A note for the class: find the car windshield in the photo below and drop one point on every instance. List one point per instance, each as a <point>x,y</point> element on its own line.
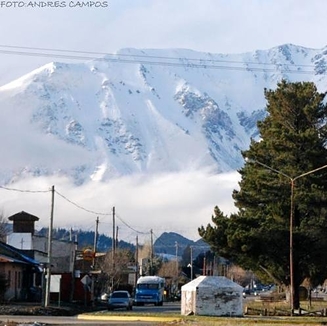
<point>119,295</point>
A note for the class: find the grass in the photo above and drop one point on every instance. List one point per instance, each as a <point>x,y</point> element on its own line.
<point>282,308</point>
<point>277,313</point>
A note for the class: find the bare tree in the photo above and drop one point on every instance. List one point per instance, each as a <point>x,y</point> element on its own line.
<point>168,270</point>
<point>150,263</point>
<point>240,276</point>
<point>115,268</point>
<point>3,227</point>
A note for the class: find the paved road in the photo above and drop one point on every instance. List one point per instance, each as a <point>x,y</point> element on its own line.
<point>103,318</point>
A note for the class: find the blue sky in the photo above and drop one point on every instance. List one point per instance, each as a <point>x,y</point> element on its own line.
<point>216,26</point>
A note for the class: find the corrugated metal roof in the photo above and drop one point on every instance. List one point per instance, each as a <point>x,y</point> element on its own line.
<point>6,259</point>
<point>14,254</point>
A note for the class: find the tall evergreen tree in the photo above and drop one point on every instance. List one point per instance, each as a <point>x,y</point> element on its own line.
<point>257,237</point>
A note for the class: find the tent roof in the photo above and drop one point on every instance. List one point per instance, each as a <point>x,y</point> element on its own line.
<point>212,282</point>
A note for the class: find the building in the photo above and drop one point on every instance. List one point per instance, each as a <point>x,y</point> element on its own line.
<point>23,275</point>
<point>35,247</point>
<point>23,238</point>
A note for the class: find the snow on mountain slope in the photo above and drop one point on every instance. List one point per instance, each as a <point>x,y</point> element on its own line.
<point>170,110</point>
<point>143,112</point>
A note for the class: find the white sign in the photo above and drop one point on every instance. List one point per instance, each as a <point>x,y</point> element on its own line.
<point>86,280</point>
<point>55,283</point>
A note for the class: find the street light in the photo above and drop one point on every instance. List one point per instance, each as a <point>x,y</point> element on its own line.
<point>176,258</point>
<point>292,179</point>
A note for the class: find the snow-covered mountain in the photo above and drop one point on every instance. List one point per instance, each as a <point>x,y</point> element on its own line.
<point>143,111</point>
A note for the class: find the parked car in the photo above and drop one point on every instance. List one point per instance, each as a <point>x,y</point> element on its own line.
<point>120,300</point>
<point>104,297</point>
<point>247,292</point>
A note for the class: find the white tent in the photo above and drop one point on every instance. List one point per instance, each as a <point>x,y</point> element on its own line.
<point>212,296</point>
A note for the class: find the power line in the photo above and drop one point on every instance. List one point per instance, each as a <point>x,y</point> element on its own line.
<point>21,190</point>
<point>98,213</point>
<point>79,206</point>
<point>149,56</point>
<point>75,204</point>
<point>82,208</point>
<point>139,232</point>
<point>203,63</point>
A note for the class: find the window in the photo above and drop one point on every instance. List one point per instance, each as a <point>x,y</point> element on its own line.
<point>119,295</point>
<point>153,286</point>
<point>148,286</point>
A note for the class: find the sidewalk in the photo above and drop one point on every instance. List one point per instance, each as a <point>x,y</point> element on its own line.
<point>127,318</point>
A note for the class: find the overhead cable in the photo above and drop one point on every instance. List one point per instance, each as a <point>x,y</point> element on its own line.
<point>24,190</point>
<point>147,56</point>
<point>203,64</point>
<point>79,206</point>
<point>139,232</point>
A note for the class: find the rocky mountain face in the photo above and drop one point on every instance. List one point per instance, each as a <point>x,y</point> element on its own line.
<point>173,244</point>
<point>144,111</point>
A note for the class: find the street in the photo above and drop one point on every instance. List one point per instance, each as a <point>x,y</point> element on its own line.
<point>173,308</point>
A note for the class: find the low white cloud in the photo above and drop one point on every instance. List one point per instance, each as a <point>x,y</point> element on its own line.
<point>24,145</point>
<point>179,202</point>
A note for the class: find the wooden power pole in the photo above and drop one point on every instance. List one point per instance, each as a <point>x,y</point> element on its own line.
<point>48,280</point>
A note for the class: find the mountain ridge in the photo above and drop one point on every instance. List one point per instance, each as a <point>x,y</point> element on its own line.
<point>174,244</point>
<point>150,131</point>
<point>125,115</point>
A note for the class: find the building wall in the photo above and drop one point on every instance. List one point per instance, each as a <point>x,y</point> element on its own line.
<point>20,240</point>
<point>14,274</point>
<point>63,253</point>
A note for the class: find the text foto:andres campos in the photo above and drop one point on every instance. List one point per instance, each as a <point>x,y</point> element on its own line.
<point>54,4</point>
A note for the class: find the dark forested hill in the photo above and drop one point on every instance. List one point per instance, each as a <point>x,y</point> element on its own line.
<point>85,239</point>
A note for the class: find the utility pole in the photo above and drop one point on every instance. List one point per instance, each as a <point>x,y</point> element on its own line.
<point>74,261</point>
<point>136,260</point>
<point>191,248</point>
<point>176,245</point>
<point>151,254</point>
<point>48,280</point>
<point>96,233</point>
<point>113,233</point>
<point>214,269</point>
<point>93,258</point>
<point>116,245</point>
<point>113,247</point>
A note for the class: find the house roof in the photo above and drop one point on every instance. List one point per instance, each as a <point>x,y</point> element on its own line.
<point>7,259</point>
<point>10,253</point>
<point>23,216</point>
